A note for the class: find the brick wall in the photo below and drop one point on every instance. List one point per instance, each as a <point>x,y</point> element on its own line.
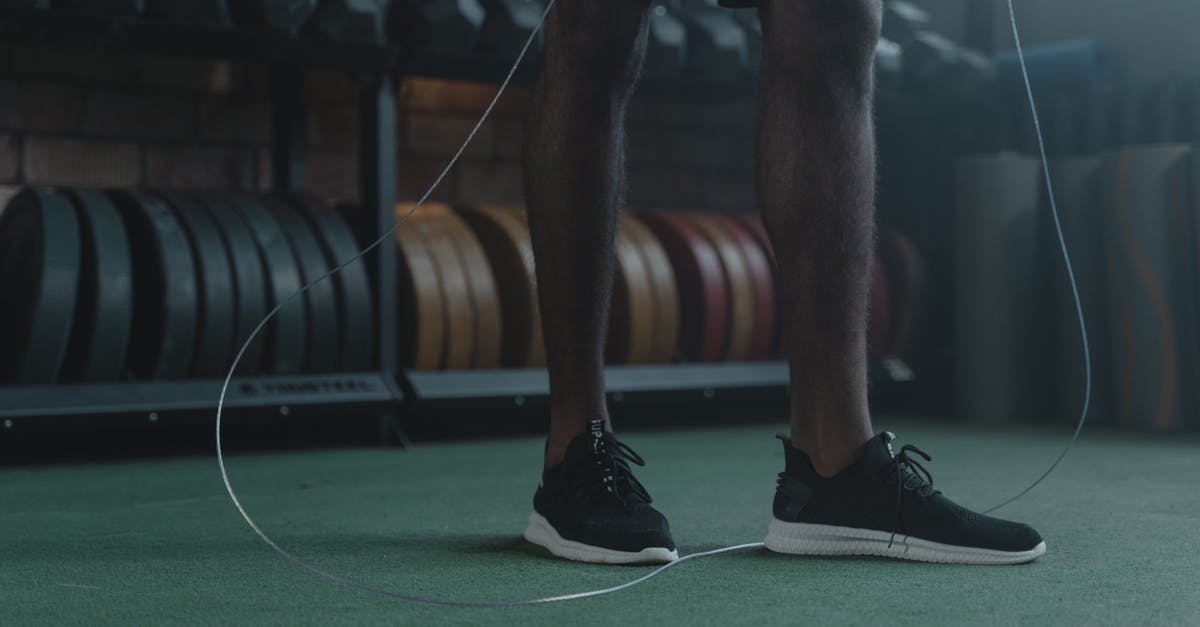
<point>111,119</point>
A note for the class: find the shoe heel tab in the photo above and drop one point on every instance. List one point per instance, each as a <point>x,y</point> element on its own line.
<point>796,462</point>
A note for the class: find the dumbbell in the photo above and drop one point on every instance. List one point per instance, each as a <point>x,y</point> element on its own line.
<point>889,65</point>
<point>717,45</point>
<point>934,62</point>
<point>285,16</point>
<point>200,13</point>
<point>348,21</point>
<point>666,46</point>
<point>903,20</point>
<point>449,27</point>
<point>102,7</point>
<point>750,23</point>
<point>507,28</point>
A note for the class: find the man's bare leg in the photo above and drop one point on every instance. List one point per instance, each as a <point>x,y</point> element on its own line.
<point>816,176</point>
<point>575,173</point>
<point>842,491</point>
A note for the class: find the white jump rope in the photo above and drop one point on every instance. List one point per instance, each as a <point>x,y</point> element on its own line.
<point>740,547</point>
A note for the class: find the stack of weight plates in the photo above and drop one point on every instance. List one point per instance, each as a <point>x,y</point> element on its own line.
<point>726,286</point>
<point>451,311</point>
<point>687,286</point>
<point>111,285</point>
<point>469,291</point>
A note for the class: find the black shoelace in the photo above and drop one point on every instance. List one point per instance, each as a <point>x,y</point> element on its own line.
<point>908,473</point>
<point>606,473</point>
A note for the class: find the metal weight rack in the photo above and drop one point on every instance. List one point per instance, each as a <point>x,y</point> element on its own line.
<point>386,391</point>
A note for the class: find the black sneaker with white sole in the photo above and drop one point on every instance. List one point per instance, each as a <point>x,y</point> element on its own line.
<point>885,504</point>
<point>590,508</point>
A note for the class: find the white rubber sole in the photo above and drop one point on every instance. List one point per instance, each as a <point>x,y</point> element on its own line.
<point>807,539</point>
<point>542,533</point>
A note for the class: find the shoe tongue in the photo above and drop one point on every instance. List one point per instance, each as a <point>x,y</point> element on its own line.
<point>589,443</point>
<point>876,452</point>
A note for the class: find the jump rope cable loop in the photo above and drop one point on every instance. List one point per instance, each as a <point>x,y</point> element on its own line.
<point>357,585</point>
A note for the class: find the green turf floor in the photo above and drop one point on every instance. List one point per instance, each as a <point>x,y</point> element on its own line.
<point>158,542</point>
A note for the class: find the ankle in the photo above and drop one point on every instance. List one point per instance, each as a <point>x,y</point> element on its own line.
<point>829,460</point>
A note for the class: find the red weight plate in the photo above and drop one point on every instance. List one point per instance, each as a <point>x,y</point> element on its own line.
<point>754,225</point>
<point>666,291</point>
<point>703,293</point>
<point>762,282</point>
<point>741,296</point>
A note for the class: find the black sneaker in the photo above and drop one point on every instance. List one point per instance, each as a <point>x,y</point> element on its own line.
<point>591,508</point>
<point>885,504</point>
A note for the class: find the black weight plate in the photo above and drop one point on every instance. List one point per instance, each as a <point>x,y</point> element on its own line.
<point>164,287</point>
<point>39,278</point>
<point>356,306</point>
<point>287,335</point>
<point>214,283</point>
<point>104,312</point>
<point>324,330</point>
<point>249,282</point>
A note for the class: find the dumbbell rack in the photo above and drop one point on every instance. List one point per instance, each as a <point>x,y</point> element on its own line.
<point>32,407</point>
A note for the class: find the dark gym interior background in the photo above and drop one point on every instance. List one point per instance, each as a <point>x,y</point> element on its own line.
<point>335,113</point>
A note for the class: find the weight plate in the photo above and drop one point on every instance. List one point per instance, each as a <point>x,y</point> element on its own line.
<point>456,292</point>
<point>40,256</point>
<point>249,282</point>
<point>485,295</point>
<point>352,284</point>
<point>165,293</point>
<point>104,311</point>
<point>741,295</point>
<point>287,334</point>
<point>703,293</point>
<point>631,322</point>
<point>216,300</point>
<point>324,327</point>
<point>666,291</point>
<point>762,284</point>
<point>754,225</point>
<point>539,355</point>
<point>423,316</point>
<point>906,277</point>
<point>880,318</point>
<point>505,240</point>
